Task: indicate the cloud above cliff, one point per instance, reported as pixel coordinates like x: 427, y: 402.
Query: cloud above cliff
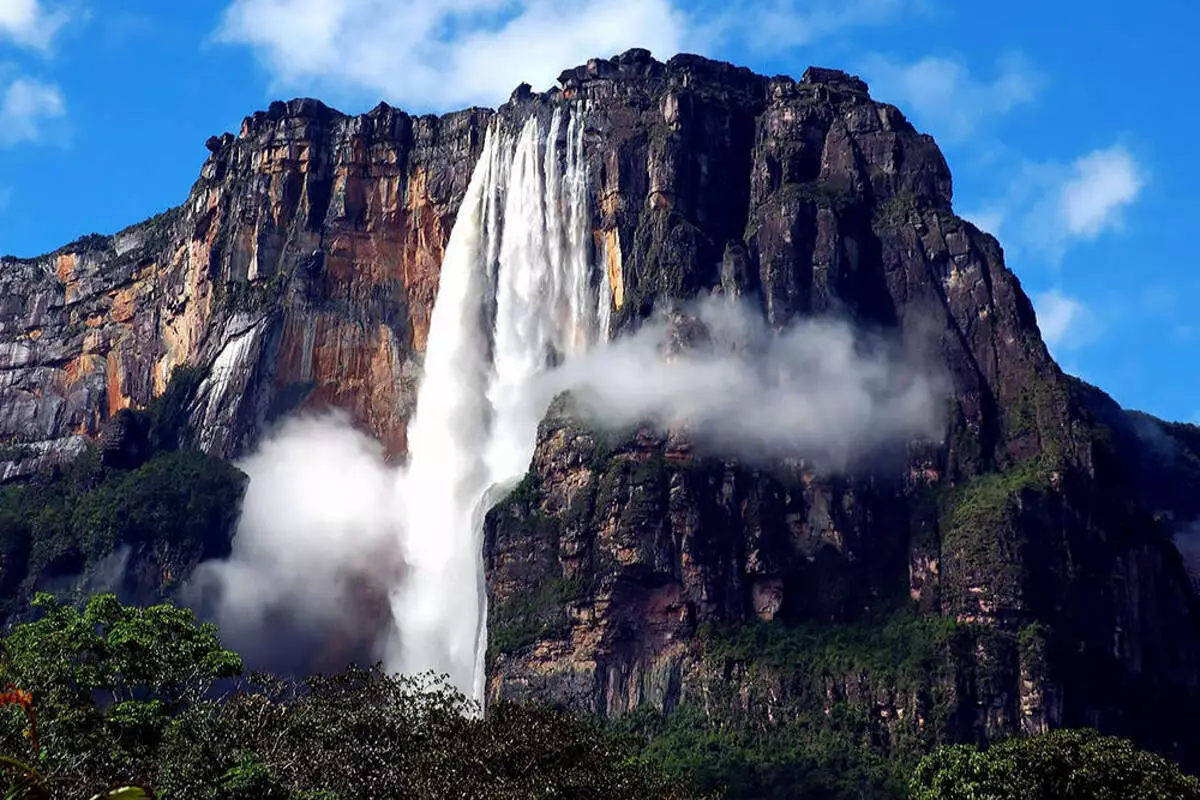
x: 442, y: 54
x: 28, y: 108
x: 818, y: 390
x: 943, y: 94
x: 1052, y: 206
x: 1066, y: 322
x: 1101, y: 185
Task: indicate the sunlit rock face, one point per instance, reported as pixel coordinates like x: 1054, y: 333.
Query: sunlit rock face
x: 302, y: 270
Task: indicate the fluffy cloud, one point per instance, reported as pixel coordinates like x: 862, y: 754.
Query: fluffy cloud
x: 1066, y: 322
x: 435, y: 55
x: 440, y: 54
x: 1102, y: 184
x: 943, y: 94
x: 30, y: 24
x: 315, y: 550
x: 1050, y: 206
x: 26, y: 106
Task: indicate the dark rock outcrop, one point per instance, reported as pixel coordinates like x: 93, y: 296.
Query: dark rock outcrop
x: 1025, y: 527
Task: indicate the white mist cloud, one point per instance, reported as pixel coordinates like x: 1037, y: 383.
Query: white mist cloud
x: 28, y: 23
x: 816, y: 390
x: 26, y: 106
x: 315, y: 545
x: 943, y: 94
x: 440, y: 54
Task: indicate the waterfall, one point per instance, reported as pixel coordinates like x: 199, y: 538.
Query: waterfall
x: 516, y: 296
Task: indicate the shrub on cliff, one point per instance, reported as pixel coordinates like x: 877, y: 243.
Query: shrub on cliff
x: 61, y: 529
x: 1060, y: 765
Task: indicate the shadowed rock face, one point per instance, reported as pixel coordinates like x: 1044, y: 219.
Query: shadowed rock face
x: 302, y: 270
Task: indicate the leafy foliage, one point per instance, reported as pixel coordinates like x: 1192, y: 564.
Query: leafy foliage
x: 800, y: 757
x: 127, y: 695
x: 1060, y: 765
x: 106, y: 681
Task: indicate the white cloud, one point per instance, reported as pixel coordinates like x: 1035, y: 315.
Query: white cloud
x: 943, y: 95
x: 441, y: 54
x: 25, y: 107
x: 315, y: 543
x: 1050, y: 206
x: 819, y: 389
x: 1066, y: 322
x: 30, y: 24
x: 1103, y: 184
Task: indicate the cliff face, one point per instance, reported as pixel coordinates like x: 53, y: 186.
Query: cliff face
x: 620, y: 567
x: 301, y: 270
x: 1030, y: 549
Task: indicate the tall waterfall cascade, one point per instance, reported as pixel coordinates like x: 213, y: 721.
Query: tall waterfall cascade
x: 518, y: 293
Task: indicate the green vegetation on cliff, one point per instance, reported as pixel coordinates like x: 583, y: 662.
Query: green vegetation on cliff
x: 170, y: 507
x: 981, y: 538
x: 828, y: 711
x: 181, y: 506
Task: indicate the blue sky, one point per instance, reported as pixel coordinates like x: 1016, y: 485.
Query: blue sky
x: 1068, y: 124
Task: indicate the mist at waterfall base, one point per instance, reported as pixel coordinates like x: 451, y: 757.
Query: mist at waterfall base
x: 317, y: 545
x: 338, y: 553
x: 305, y: 588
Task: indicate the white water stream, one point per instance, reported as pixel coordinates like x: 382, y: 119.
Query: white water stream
x: 516, y: 296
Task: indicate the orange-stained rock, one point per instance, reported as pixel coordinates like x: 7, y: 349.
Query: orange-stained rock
x: 303, y: 264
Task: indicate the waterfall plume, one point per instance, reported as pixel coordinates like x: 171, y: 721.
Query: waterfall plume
x: 517, y: 295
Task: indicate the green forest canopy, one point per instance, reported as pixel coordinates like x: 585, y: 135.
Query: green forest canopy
x: 124, y: 695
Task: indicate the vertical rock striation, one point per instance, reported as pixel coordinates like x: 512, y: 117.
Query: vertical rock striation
x: 301, y: 271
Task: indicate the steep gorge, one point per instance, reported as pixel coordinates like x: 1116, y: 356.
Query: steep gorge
x: 1028, y: 554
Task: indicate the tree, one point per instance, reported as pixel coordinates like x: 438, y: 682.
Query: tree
x: 126, y: 695
x: 106, y: 682
x: 1060, y: 765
